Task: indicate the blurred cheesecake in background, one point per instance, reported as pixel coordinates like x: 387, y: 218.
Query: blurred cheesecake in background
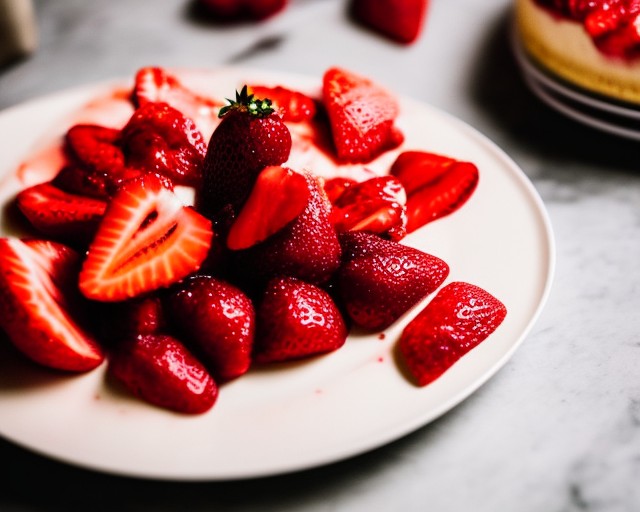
x: 594, y: 44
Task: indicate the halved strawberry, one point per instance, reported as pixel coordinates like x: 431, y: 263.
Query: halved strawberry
x: 296, y: 320
x: 40, y: 304
x: 306, y: 248
x: 218, y: 320
x: 380, y: 280
x: 59, y: 214
x: 458, y: 318
x: 160, y: 370
x: 293, y: 106
x: 436, y: 185
x: 399, y: 20
x: 362, y: 116
x: 146, y: 240
x: 278, y: 196
x: 376, y: 205
x: 157, y: 85
x: 158, y: 138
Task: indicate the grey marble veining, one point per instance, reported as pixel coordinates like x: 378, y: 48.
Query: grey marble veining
x: 558, y: 428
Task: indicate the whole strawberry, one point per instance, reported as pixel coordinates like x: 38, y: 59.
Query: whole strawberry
x: 218, y: 319
x: 250, y: 137
x: 296, y: 320
x: 399, y: 20
x: 380, y: 280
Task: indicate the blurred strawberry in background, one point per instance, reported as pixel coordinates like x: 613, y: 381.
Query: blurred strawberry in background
x: 399, y: 20
x: 237, y: 10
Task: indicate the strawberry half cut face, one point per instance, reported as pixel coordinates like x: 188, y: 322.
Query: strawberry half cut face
x: 147, y: 240
x: 39, y: 303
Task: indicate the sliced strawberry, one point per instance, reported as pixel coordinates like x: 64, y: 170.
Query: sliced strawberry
x: 160, y: 370
x: 61, y: 215
x: 458, y: 318
x: 306, y: 248
x: 235, y: 10
x: 218, y: 319
x: 85, y: 182
x: 278, y: 196
x: 436, y: 185
x: 296, y: 320
x: 156, y: 85
x: 361, y: 114
x: 399, y: 20
x: 293, y: 106
x: 146, y: 240
x: 40, y: 306
x: 416, y: 169
x: 380, y: 280
x: 376, y: 205
x: 160, y: 139
x: 95, y: 148
x: 335, y: 187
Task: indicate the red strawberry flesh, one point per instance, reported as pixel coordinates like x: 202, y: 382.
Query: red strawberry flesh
x: 399, y: 20
x: 38, y: 296
x: 218, y: 320
x: 278, y: 196
x: 160, y: 370
x: 147, y: 240
x: 380, y: 280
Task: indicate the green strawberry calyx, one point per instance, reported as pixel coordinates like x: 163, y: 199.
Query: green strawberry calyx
x: 248, y: 103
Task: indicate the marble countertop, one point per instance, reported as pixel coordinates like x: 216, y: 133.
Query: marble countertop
x: 558, y: 428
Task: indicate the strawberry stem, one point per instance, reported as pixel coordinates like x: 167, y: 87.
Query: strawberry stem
x: 248, y: 103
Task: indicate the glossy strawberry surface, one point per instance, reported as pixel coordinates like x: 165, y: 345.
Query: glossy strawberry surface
x: 160, y: 370
x: 376, y: 205
x: 296, y: 320
x: 458, y: 318
x: 306, y: 248
x: 362, y: 116
x: 60, y: 215
x: 218, y: 319
x: 380, y: 280
x: 250, y: 137
x: 436, y: 185
x: 40, y: 307
x: 160, y: 139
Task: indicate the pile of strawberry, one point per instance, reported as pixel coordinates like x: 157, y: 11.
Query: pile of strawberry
x: 269, y: 263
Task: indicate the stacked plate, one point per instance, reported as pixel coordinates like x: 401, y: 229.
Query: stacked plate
x: 607, y: 115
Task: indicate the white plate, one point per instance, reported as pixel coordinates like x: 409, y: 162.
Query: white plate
x: 590, y: 109
x: 300, y: 415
